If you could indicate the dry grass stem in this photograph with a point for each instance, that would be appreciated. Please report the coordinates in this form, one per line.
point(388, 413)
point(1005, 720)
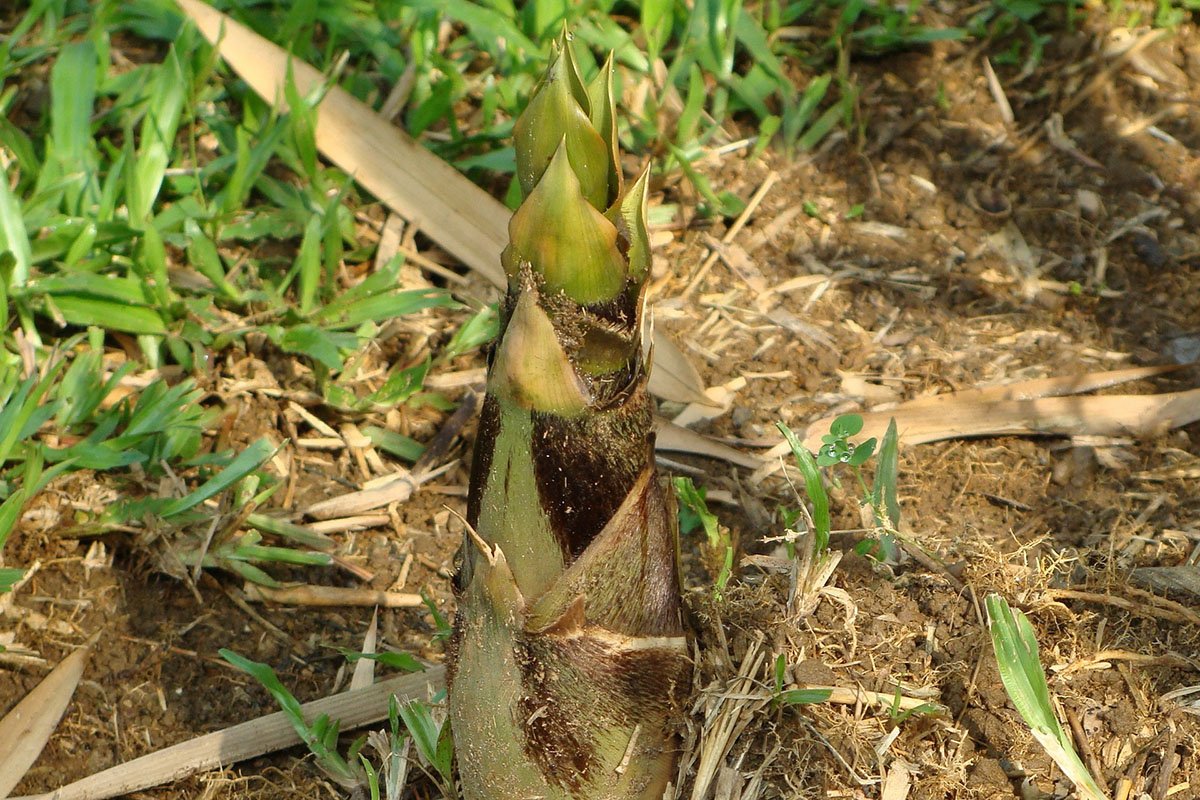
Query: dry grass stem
point(309, 595)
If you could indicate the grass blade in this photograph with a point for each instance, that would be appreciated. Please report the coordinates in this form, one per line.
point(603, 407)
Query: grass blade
point(14, 240)
point(813, 487)
point(165, 106)
point(246, 462)
point(1016, 649)
point(72, 97)
point(883, 489)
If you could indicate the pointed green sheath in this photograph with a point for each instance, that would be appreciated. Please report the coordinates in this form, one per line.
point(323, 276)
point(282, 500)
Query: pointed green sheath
point(569, 653)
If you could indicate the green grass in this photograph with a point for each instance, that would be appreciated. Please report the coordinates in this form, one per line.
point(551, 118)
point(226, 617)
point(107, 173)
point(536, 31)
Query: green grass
point(1016, 649)
point(419, 722)
point(156, 215)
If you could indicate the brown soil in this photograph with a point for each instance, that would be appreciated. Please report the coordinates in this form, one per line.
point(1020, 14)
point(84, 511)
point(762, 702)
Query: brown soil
point(924, 305)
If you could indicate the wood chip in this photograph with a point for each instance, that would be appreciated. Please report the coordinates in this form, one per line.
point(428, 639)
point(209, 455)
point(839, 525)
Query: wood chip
point(1183, 581)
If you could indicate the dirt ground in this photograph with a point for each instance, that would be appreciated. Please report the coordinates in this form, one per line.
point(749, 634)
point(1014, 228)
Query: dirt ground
point(920, 298)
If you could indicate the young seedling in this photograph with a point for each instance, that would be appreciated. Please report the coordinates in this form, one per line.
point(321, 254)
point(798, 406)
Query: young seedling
point(432, 738)
point(880, 505)
point(693, 514)
point(319, 736)
point(422, 724)
point(814, 563)
point(880, 508)
point(1016, 649)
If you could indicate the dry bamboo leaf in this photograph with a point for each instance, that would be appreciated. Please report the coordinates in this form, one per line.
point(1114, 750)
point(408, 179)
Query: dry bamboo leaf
point(672, 374)
point(1049, 387)
point(247, 740)
point(458, 215)
point(682, 440)
point(1034, 407)
point(421, 187)
point(1110, 415)
point(25, 730)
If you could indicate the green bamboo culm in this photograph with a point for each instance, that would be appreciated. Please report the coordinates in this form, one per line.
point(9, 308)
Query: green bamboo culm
point(569, 652)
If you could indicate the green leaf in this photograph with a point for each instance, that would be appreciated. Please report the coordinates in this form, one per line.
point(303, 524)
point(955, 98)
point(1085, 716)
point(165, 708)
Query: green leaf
point(813, 486)
point(862, 453)
point(846, 425)
point(13, 240)
point(203, 255)
point(444, 757)
point(291, 531)
point(797, 697)
point(689, 118)
point(490, 28)
point(253, 151)
point(320, 345)
point(824, 124)
point(381, 307)
point(308, 264)
point(281, 555)
point(693, 510)
point(658, 17)
point(400, 661)
point(247, 572)
point(887, 470)
point(9, 578)
point(424, 730)
point(151, 264)
point(246, 462)
point(1016, 649)
point(440, 623)
point(157, 139)
point(72, 98)
point(87, 311)
point(751, 35)
point(20, 406)
point(320, 737)
point(477, 331)
point(398, 445)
